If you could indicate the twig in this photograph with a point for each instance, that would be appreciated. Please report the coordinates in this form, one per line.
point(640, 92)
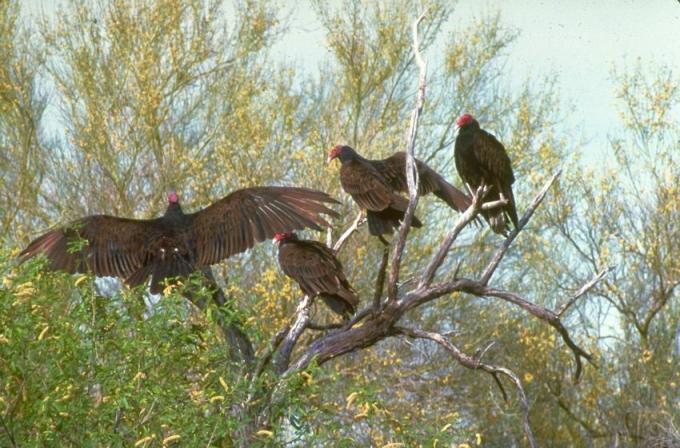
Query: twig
point(5, 428)
point(411, 169)
point(584, 289)
point(380, 280)
point(360, 219)
point(498, 256)
point(494, 204)
point(476, 364)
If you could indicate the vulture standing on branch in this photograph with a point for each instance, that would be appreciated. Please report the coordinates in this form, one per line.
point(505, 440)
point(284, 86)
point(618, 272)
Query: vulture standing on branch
point(314, 267)
point(177, 244)
point(375, 185)
point(480, 158)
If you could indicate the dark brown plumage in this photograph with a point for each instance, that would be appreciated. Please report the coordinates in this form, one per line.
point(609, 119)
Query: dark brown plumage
point(177, 244)
point(314, 267)
point(375, 185)
point(480, 157)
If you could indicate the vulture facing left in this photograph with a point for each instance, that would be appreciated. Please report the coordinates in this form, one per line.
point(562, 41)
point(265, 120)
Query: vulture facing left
point(314, 267)
point(177, 244)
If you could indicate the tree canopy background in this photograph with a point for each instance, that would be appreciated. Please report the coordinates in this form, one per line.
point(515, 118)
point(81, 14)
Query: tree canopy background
point(104, 106)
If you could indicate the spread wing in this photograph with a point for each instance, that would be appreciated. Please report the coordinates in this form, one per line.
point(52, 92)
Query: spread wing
point(394, 168)
point(368, 187)
point(234, 223)
point(104, 245)
point(315, 268)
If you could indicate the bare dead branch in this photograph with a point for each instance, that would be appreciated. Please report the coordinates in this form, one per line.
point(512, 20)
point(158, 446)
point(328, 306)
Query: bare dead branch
point(498, 256)
point(477, 288)
point(584, 289)
point(411, 169)
point(296, 329)
point(476, 364)
point(324, 327)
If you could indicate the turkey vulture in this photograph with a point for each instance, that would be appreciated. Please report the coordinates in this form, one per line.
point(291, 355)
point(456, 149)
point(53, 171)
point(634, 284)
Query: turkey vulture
point(375, 185)
point(480, 158)
point(177, 244)
point(314, 267)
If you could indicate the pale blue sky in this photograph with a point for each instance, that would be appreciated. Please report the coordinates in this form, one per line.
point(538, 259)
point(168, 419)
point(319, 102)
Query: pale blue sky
point(578, 41)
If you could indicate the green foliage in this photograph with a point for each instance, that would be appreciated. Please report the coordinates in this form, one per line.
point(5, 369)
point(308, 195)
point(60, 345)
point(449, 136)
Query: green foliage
point(107, 370)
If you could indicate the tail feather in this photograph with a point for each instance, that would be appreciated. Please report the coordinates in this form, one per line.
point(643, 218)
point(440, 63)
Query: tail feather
point(497, 221)
point(175, 266)
point(338, 305)
point(511, 209)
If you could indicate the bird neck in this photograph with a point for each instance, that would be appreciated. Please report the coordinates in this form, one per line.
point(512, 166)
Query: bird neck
point(173, 210)
point(470, 127)
point(349, 154)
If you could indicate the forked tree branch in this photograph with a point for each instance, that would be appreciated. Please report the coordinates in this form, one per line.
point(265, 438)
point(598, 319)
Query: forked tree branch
point(463, 220)
point(476, 364)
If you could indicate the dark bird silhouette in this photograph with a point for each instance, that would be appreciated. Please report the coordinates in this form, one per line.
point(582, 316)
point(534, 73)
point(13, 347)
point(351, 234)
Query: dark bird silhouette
point(177, 244)
point(375, 185)
point(481, 158)
point(314, 267)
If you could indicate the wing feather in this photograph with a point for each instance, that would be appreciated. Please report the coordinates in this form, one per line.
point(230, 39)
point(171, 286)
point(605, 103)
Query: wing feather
point(112, 246)
point(394, 168)
point(234, 223)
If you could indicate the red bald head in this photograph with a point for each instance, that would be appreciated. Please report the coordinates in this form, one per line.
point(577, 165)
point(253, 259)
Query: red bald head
point(464, 120)
point(284, 236)
point(343, 152)
point(173, 198)
point(334, 152)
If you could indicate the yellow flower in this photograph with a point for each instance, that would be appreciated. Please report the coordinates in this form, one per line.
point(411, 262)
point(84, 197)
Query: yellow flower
point(43, 333)
point(171, 439)
point(528, 377)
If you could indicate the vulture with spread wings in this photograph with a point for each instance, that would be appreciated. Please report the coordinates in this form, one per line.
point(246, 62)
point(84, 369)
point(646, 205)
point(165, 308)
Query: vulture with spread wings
point(314, 267)
point(481, 158)
point(375, 185)
point(177, 244)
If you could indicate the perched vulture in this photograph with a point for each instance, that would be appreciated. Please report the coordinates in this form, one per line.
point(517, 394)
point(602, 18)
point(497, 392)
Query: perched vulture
point(314, 267)
point(480, 158)
point(177, 244)
point(375, 185)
